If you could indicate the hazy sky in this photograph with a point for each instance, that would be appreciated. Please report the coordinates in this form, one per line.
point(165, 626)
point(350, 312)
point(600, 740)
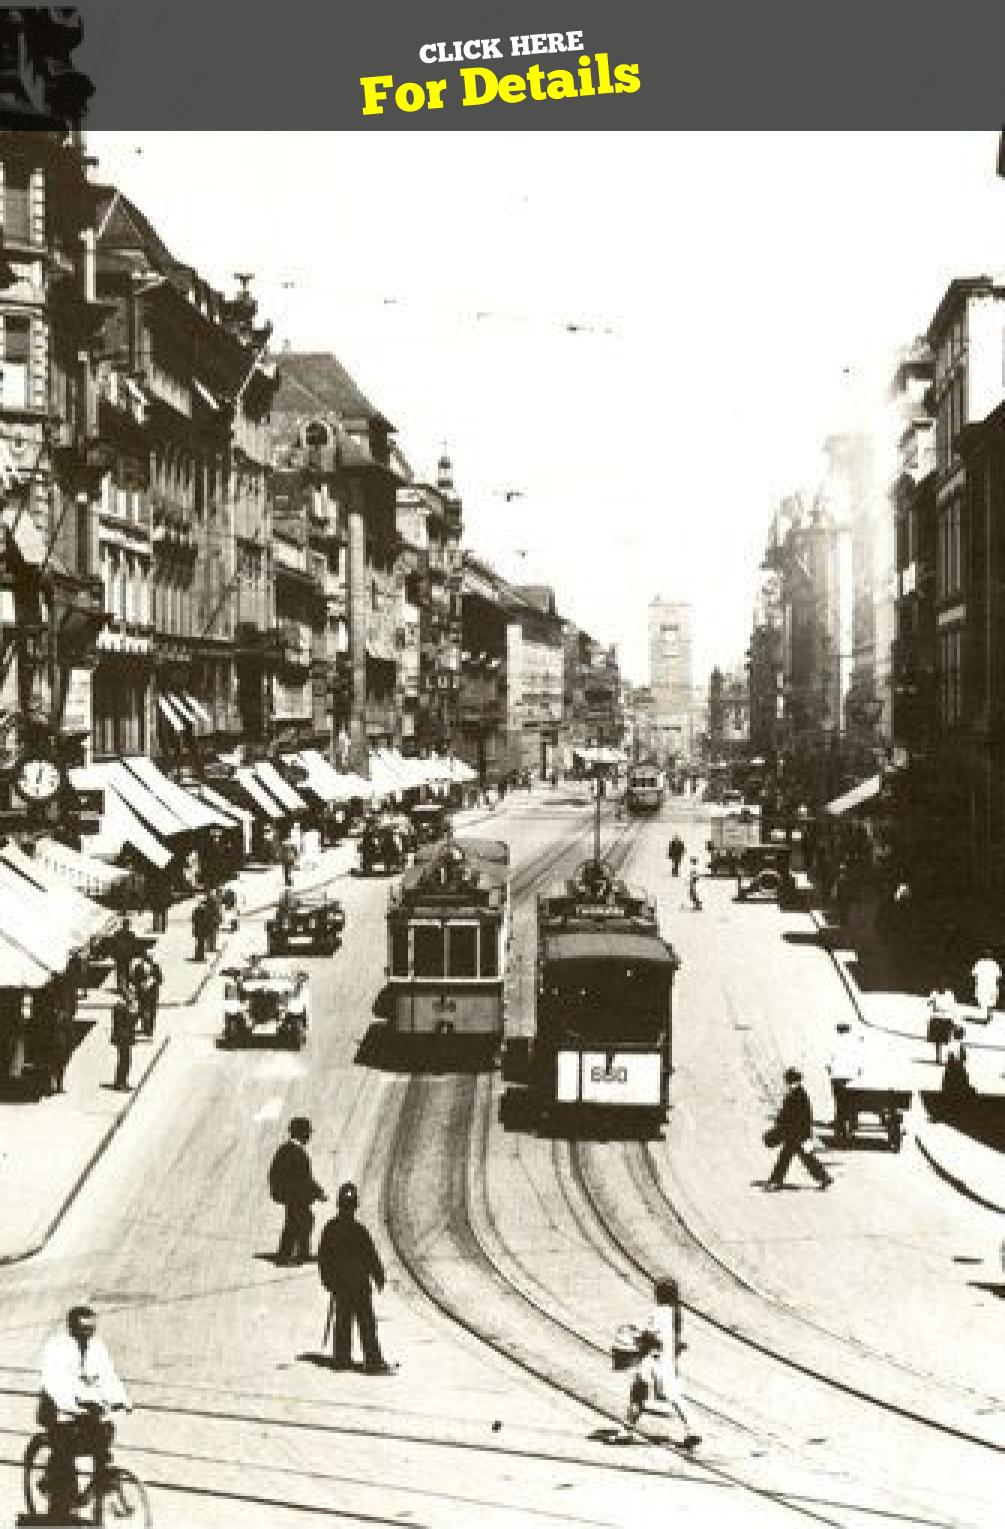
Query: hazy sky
point(735, 299)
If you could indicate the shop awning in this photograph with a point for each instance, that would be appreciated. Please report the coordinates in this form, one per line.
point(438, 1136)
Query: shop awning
point(274, 783)
point(238, 815)
point(93, 877)
point(596, 755)
point(45, 940)
point(87, 920)
point(461, 772)
point(120, 825)
point(174, 718)
point(18, 970)
point(384, 780)
point(322, 780)
point(135, 793)
point(866, 791)
point(196, 705)
point(267, 806)
point(194, 814)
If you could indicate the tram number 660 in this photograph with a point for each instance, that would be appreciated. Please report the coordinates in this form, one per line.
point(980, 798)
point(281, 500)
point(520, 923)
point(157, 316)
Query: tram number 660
point(609, 1075)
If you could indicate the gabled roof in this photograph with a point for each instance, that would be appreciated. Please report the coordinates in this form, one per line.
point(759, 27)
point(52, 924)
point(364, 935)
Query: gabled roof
point(317, 380)
point(121, 226)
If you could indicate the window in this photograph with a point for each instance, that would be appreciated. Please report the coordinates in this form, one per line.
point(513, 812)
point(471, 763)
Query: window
point(399, 950)
point(949, 552)
point(16, 203)
point(951, 676)
point(490, 950)
point(428, 950)
point(14, 372)
point(463, 950)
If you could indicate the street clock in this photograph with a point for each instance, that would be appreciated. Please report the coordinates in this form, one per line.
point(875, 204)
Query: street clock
point(38, 781)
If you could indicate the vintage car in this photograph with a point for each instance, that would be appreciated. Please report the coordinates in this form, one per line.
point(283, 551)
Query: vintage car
point(265, 999)
point(382, 848)
point(429, 822)
point(765, 870)
point(314, 917)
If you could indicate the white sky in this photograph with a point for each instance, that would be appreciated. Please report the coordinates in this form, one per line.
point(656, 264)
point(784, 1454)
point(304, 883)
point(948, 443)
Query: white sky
point(756, 287)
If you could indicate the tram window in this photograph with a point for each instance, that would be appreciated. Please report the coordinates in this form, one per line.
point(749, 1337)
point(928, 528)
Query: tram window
point(429, 950)
point(490, 950)
point(463, 950)
point(399, 951)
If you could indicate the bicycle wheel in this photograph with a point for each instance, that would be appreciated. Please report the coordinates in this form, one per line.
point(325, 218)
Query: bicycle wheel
point(36, 1476)
point(123, 1499)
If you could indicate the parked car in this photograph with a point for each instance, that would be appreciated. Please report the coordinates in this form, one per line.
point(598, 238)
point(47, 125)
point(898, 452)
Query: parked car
point(429, 822)
point(314, 917)
point(382, 848)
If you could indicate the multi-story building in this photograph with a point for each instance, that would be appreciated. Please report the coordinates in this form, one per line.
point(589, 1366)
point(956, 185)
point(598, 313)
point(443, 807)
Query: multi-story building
point(535, 679)
point(320, 410)
point(430, 641)
point(482, 739)
point(50, 461)
point(592, 712)
point(765, 671)
point(183, 543)
point(671, 676)
point(728, 713)
point(638, 711)
point(913, 498)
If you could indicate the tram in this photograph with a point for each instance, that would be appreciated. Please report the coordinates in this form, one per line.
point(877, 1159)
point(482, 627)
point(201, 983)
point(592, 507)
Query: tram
point(604, 1015)
point(448, 926)
point(646, 788)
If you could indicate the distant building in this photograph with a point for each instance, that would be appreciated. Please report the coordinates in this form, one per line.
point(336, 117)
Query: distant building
point(671, 675)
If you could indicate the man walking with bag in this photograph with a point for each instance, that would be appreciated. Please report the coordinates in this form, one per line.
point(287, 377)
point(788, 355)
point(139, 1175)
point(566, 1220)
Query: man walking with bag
point(792, 1129)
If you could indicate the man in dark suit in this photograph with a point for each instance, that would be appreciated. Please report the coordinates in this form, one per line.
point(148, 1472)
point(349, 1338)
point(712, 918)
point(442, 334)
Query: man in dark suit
point(292, 1185)
point(793, 1128)
point(348, 1264)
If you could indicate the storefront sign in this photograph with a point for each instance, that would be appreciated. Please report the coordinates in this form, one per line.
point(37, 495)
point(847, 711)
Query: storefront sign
point(77, 705)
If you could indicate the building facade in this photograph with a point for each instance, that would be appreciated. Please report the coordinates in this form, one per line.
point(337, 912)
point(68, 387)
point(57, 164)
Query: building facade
point(671, 675)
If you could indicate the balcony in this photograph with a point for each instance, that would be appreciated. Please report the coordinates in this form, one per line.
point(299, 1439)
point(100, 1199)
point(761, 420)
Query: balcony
point(295, 646)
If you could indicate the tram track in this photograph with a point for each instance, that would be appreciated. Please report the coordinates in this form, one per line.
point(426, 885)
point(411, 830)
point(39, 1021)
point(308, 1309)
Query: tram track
point(441, 1226)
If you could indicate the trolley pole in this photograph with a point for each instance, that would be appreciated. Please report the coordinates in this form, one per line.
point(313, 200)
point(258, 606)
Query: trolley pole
point(596, 825)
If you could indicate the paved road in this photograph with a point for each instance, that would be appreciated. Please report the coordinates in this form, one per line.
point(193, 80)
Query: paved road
point(171, 1240)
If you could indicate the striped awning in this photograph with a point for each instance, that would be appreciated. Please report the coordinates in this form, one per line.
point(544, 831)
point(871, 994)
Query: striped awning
point(274, 783)
point(174, 718)
point(267, 805)
point(194, 814)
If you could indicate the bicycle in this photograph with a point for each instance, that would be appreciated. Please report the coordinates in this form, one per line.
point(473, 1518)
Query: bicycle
point(114, 1492)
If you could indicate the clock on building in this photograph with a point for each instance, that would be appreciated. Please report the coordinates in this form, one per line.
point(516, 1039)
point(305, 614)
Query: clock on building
point(38, 780)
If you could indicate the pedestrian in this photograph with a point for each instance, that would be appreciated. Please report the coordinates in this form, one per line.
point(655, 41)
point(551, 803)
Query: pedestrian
point(148, 987)
point(676, 853)
point(123, 1039)
point(62, 1046)
point(348, 1264)
point(159, 896)
point(288, 858)
point(845, 1068)
point(792, 1129)
point(123, 948)
point(656, 1385)
point(942, 1020)
point(214, 918)
point(987, 974)
point(692, 885)
point(200, 928)
point(293, 1186)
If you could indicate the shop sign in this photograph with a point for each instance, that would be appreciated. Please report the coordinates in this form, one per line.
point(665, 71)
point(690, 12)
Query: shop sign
point(77, 706)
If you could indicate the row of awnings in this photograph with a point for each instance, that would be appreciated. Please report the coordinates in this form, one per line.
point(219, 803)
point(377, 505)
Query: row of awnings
point(44, 920)
point(595, 755)
point(181, 710)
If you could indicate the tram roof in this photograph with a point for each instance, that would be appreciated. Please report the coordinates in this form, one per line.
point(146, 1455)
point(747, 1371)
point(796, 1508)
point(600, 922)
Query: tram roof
point(607, 945)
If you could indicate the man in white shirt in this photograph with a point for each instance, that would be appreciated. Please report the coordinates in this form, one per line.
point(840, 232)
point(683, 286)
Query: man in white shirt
point(657, 1387)
point(79, 1387)
point(845, 1067)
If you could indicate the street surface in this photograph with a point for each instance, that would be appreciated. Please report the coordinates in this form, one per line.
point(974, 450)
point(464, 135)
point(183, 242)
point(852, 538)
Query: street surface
point(842, 1358)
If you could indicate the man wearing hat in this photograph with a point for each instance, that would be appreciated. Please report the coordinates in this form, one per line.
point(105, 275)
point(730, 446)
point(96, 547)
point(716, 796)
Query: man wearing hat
point(793, 1128)
point(845, 1068)
point(348, 1264)
point(292, 1185)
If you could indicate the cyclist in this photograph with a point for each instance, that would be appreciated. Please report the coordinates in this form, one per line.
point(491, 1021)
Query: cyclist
point(79, 1387)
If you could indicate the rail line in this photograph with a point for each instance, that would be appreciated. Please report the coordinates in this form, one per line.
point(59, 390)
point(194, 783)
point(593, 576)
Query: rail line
point(427, 1169)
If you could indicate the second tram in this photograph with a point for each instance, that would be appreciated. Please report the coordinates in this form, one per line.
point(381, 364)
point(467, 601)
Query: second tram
point(447, 936)
point(646, 788)
point(604, 1017)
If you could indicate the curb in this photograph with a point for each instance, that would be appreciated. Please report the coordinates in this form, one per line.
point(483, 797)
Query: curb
point(6, 1259)
point(956, 1183)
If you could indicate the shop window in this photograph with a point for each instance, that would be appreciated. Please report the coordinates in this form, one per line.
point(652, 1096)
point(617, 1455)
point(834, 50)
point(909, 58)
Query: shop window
point(429, 950)
point(17, 203)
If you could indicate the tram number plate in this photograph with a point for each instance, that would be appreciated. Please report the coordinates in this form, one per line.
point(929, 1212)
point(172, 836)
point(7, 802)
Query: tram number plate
point(608, 1074)
point(448, 1004)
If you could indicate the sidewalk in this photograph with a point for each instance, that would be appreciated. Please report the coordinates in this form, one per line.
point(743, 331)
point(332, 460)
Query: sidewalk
point(49, 1147)
point(897, 1018)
